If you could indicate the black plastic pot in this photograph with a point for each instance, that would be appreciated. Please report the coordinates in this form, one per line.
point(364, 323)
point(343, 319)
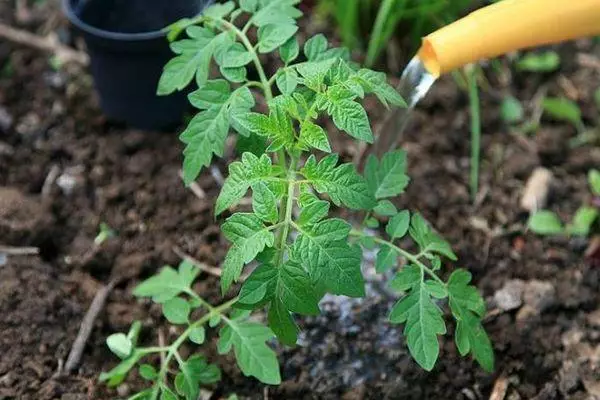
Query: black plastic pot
point(128, 50)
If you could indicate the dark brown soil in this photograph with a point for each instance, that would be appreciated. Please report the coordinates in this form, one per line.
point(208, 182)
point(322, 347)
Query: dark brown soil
point(64, 170)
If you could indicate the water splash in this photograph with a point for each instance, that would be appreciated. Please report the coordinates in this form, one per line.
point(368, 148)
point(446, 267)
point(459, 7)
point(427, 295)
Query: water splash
point(415, 83)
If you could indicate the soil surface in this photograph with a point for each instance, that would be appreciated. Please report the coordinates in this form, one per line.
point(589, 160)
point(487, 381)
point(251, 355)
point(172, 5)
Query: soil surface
point(64, 170)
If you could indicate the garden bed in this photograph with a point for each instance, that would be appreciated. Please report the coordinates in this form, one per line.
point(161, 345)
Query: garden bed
point(64, 170)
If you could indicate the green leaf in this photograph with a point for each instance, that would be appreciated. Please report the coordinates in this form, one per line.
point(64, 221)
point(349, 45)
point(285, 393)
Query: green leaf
point(468, 308)
point(342, 183)
point(253, 356)
point(168, 283)
point(296, 291)
point(594, 181)
point(282, 323)
point(398, 225)
point(260, 285)
point(545, 223)
point(264, 203)
point(385, 208)
point(242, 175)
point(236, 75)
point(195, 371)
point(166, 394)
point(408, 277)
point(315, 46)
point(120, 345)
point(289, 51)
point(511, 110)
point(583, 221)
point(287, 81)
point(350, 117)
point(197, 335)
point(276, 12)
point(249, 6)
point(540, 62)
point(386, 259)
point(329, 258)
point(376, 83)
point(215, 92)
point(193, 59)
point(562, 109)
point(235, 57)
point(249, 237)
point(219, 10)
point(423, 323)
point(118, 374)
point(177, 310)
point(387, 178)
point(436, 289)
point(428, 241)
point(314, 73)
point(148, 372)
point(312, 135)
point(313, 213)
point(271, 36)
point(277, 127)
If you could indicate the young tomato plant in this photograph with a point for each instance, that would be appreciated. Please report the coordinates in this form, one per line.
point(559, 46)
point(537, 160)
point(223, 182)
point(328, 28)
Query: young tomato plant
point(300, 256)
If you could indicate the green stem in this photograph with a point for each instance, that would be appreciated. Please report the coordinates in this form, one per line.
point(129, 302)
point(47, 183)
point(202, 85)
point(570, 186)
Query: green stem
point(377, 35)
point(174, 348)
point(410, 257)
point(475, 132)
point(289, 205)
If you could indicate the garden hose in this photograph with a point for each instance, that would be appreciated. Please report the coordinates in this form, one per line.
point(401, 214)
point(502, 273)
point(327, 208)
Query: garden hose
point(506, 26)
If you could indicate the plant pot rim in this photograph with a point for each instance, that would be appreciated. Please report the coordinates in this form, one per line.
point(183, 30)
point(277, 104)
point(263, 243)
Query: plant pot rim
point(105, 34)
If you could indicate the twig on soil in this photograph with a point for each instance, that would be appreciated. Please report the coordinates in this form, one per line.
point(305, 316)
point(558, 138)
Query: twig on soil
point(86, 326)
point(49, 181)
point(500, 389)
point(195, 188)
point(537, 188)
point(161, 343)
point(201, 266)
point(19, 251)
point(49, 43)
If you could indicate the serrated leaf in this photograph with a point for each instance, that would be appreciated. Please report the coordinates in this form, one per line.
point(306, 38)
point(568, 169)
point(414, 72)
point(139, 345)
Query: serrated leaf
point(407, 278)
point(429, 241)
point(386, 259)
point(195, 371)
point(287, 81)
point(271, 36)
point(177, 310)
point(277, 126)
point(282, 323)
point(164, 286)
point(423, 323)
point(249, 5)
point(545, 223)
point(253, 356)
point(387, 178)
point(468, 308)
point(260, 285)
point(249, 237)
point(312, 135)
point(350, 117)
point(372, 223)
point(290, 50)
point(329, 258)
point(313, 213)
point(118, 374)
point(235, 57)
point(215, 92)
point(219, 10)
point(342, 183)
point(436, 289)
point(276, 11)
point(314, 73)
point(264, 203)
point(235, 75)
point(167, 394)
point(594, 181)
point(295, 290)
point(315, 46)
point(398, 225)
point(385, 208)
point(376, 83)
point(198, 334)
point(148, 372)
point(120, 345)
point(243, 174)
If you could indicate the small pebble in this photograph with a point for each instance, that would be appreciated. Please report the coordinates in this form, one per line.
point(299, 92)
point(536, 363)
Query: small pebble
point(537, 188)
point(6, 120)
point(510, 297)
point(540, 295)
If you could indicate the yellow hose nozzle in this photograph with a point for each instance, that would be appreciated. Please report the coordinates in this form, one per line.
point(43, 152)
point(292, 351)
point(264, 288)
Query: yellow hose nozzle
point(507, 26)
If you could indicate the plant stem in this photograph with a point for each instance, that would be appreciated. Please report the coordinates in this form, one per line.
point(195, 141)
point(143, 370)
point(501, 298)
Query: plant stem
point(289, 205)
point(475, 131)
point(414, 259)
point(174, 348)
point(377, 35)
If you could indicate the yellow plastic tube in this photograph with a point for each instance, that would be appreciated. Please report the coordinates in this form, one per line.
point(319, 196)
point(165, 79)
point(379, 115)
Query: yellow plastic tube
point(507, 26)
